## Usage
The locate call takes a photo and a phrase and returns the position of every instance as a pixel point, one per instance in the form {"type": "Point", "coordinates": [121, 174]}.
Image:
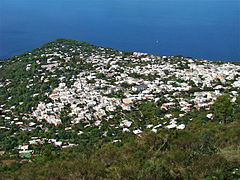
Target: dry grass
{"type": "Point", "coordinates": [231, 153]}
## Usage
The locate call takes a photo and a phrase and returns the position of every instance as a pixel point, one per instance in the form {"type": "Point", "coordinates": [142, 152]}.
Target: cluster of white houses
{"type": "Point", "coordinates": [93, 95]}
{"type": "Point", "coordinates": [90, 101]}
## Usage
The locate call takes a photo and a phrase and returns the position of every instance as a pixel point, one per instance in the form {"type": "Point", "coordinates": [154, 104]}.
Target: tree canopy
{"type": "Point", "coordinates": [223, 108]}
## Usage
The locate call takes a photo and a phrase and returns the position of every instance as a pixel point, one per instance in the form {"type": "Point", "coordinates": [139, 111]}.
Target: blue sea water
{"type": "Point", "coordinates": [207, 29]}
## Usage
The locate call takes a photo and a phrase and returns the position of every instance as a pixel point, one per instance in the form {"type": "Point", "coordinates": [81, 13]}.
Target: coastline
{"type": "Point", "coordinates": [22, 51]}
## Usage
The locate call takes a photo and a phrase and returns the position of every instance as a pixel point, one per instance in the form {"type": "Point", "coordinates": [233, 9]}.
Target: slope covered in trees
{"type": "Point", "coordinates": [201, 151]}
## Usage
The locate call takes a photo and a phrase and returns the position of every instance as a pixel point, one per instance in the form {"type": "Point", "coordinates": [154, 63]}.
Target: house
{"type": "Point", "coordinates": [171, 126]}
{"type": "Point", "coordinates": [127, 101]}
{"type": "Point", "coordinates": [157, 126]}
{"type": "Point", "coordinates": [32, 142]}
{"type": "Point", "coordinates": [210, 116]}
{"type": "Point", "coordinates": [185, 104]}
{"type": "Point", "coordinates": [168, 105]}
{"type": "Point", "coordinates": [181, 126]}
{"type": "Point", "coordinates": [154, 130]}
{"type": "Point", "coordinates": [126, 123]}
{"type": "Point", "coordinates": [58, 143]}
{"type": "Point", "coordinates": [23, 148]}
{"type": "Point", "coordinates": [139, 88]}
{"type": "Point", "coordinates": [137, 131]}
{"type": "Point", "coordinates": [2, 153]}
{"type": "Point", "coordinates": [80, 132]}
{"type": "Point", "coordinates": [126, 130]}
{"type": "Point", "coordinates": [126, 107]}
{"type": "Point", "coordinates": [149, 126]}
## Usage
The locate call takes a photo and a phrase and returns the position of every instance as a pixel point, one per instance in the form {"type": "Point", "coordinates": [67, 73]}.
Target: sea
{"type": "Point", "coordinates": [208, 29]}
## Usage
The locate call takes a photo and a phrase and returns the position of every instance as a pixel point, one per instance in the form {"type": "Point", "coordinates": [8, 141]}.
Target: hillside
{"type": "Point", "coordinates": [72, 110]}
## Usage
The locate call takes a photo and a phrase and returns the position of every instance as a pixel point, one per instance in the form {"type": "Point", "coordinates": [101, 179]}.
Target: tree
{"type": "Point", "coordinates": [238, 100]}
{"type": "Point", "coordinates": [223, 108]}
{"type": "Point", "coordinates": [236, 108]}
{"type": "Point", "coordinates": [47, 155]}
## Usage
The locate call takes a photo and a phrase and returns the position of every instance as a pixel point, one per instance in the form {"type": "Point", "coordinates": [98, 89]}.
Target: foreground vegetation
{"type": "Point", "coordinates": [201, 151]}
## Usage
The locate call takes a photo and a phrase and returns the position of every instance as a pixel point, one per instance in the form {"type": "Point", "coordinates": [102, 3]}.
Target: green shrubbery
{"type": "Point", "coordinates": [211, 152]}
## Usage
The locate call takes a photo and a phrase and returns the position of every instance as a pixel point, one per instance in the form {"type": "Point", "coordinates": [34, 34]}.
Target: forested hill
{"type": "Point", "coordinates": [72, 110]}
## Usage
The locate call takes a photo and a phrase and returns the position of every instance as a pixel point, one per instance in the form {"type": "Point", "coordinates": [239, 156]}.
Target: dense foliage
{"type": "Point", "coordinates": [201, 151]}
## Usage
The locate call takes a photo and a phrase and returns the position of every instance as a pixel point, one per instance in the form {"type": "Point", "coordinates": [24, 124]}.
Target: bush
{"type": "Point", "coordinates": [154, 169]}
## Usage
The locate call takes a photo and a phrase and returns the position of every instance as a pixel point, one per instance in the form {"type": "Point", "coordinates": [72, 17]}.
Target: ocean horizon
{"type": "Point", "coordinates": [207, 29]}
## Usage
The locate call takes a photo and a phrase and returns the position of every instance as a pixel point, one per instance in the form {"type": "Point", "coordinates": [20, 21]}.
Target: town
{"type": "Point", "coordinates": [79, 90]}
